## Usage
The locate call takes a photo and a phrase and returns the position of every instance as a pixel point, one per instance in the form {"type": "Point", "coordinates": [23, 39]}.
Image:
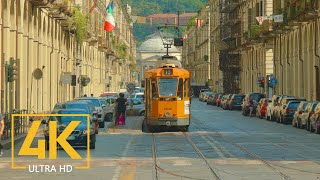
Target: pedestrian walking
{"type": "Point", "coordinates": [121, 108]}
{"type": "Point", "coordinates": [1, 133]}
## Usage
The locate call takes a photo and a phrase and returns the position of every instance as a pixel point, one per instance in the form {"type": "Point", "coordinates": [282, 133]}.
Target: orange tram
{"type": "Point", "coordinates": [167, 97]}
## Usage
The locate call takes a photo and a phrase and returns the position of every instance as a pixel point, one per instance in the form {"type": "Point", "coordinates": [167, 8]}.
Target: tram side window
{"type": "Point", "coordinates": [154, 91]}
{"type": "Point", "coordinates": [186, 87]}
{"type": "Point", "coordinates": [180, 89]}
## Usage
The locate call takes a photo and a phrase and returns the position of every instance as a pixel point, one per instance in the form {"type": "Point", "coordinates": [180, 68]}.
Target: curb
{"type": "Point", "coordinates": [18, 138]}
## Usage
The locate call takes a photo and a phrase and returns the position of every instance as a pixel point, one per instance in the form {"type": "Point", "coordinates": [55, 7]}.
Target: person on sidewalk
{"type": "Point", "coordinates": [1, 132]}
{"type": "Point", "coordinates": [121, 107]}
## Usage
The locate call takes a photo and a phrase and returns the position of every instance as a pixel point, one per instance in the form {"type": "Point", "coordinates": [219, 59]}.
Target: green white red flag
{"type": "Point", "coordinates": [109, 23]}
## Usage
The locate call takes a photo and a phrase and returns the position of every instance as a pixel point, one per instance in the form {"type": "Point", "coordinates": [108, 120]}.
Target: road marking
{"type": "Point", "coordinates": [182, 163]}
{"type": "Point", "coordinates": [217, 150]}
{"type": "Point", "coordinates": [116, 175]}
{"type": "Point", "coordinates": [129, 172]}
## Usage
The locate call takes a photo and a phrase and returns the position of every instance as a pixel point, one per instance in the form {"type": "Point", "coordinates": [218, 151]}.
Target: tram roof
{"type": "Point", "coordinates": [176, 72]}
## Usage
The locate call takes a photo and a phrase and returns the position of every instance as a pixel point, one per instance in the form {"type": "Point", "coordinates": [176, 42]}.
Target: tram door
{"type": "Point", "coordinates": [148, 97]}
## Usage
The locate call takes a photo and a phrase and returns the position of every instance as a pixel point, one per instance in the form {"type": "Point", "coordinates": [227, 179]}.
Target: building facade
{"type": "Point", "coordinates": [263, 39]}
{"type": "Point", "coordinates": [60, 51]}
{"type": "Point", "coordinates": [196, 50]}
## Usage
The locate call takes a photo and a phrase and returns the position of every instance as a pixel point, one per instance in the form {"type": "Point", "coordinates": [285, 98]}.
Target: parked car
{"type": "Point", "coordinates": [210, 99]}
{"type": "Point", "coordinates": [215, 97]}
{"type": "Point", "coordinates": [85, 105]}
{"type": "Point", "coordinates": [262, 107]}
{"type": "Point", "coordinates": [139, 95]}
{"type": "Point", "coordinates": [315, 120]}
{"type": "Point", "coordinates": [79, 135]}
{"type": "Point", "coordinates": [99, 108]}
{"type": "Point", "coordinates": [271, 105]}
{"type": "Point", "coordinates": [108, 103]}
{"type": "Point", "coordinates": [301, 107]}
{"type": "Point", "coordinates": [306, 114]}
{"type": "Point", "coordinates": [283, 104]}
{"type": "Point", "coordinates": [201, 94]}
{"type": "Point", "coordinates": [136, 107]}
{"type": "Point", "coordinates": [219, 100]}
{"type": "Point", "coordinates": [235, 102]}
{"type": "Point", "coordinates": [246, 102]}
{"type": "Point", "coordinates": [288, 112]}
{"type": "Point", "coordinates": [225, 103]}
{"type": "Point", "coordinates": [206, 96]}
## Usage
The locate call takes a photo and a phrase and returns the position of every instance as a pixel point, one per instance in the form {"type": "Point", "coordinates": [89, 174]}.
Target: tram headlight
{"type": "Point", "coordinates": [167, 114]}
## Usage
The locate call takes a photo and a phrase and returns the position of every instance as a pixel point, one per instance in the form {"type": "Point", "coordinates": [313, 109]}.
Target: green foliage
{"type": "Point", "coordinates": [121, 50]}
{"type": "Point", "coordinates": [254, 31]}
{"type": "Point", "coordinates": [80, 22]}
{"type": "Point", "coordinates": [191, 22]}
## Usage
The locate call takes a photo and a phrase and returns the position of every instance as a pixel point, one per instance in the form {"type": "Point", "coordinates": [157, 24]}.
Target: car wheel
{"type": "Point", "coordinates": [142, 113]}
{"type": "Point", "coordinates": [101, 124]}
{"type": "Point", "coordinates": [317, 129]}
{"type": "Point", "coordinates": [293, 123]}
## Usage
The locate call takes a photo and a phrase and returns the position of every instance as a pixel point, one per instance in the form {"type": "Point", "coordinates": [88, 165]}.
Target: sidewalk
{"type": "Point", "coordinates": [133, 125]}
{"type": "Point", "coordinates": [19, 138]}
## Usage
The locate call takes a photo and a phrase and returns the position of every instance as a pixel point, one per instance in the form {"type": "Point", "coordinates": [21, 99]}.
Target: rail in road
{"type": "Point", "coordinates": [157, 168]}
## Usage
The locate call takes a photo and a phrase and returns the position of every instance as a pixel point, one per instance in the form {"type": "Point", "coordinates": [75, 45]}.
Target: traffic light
{"type": "Point", "coordinates": [178, 41]}
{"type": "Point", "coordinates": [12, 72]}
{"type": "Point", "coordinates": [262, 81]}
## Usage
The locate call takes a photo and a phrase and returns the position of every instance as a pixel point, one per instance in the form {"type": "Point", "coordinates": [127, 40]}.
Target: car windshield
{"type": "Point", "coordinates": [95, 102]}
{"type": "Point", "coordinates": [102, 101]}
{"type": "Point", "coordinates": [68, 119]}
{"type": "Point", "coordinates": [257, 97]}
{"type": "Point", "coordinates": [239, 98]}
{"type": "Point", "coordinates": [77, 106]}
{"type": "Point", "coordinates": [293, 105]}
{"type": "Point", "coordinates": [168, 86]}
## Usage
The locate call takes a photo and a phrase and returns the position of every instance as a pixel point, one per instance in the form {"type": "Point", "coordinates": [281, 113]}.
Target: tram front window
{"type": "Point", "coordinates": [168, 86]}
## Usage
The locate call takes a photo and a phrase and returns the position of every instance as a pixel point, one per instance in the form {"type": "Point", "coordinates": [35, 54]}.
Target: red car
{"type": "Point", "coordinates": [262, 108]}
{"type": "Point", "coordinates": [219, 100]}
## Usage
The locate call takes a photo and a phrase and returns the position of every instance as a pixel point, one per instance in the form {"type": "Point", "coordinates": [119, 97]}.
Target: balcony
{"type": "Point", "coordinates": [229, 5]}
{"type": "Point", "coordinates": [302, 10]}
{"type": "Point", "coordinates": [40, 3]}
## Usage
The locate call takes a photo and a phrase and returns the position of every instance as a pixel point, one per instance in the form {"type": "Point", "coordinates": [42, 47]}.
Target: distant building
{"type": "Point", "coordinates": [171, 19]}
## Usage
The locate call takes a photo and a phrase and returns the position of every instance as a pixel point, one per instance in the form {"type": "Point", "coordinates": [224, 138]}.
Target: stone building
{"type": "Point", "coordinates": [50, 40]}
{"type": "Point", "coordinates": [196, 50]}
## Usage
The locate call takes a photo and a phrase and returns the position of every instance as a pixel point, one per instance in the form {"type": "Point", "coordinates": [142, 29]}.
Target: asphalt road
{"type": "Point", "coordinates": [220, 144]}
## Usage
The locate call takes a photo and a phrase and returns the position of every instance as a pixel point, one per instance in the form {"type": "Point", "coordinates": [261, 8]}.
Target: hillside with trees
{"type": "Point", "coordinates": [149, 7]}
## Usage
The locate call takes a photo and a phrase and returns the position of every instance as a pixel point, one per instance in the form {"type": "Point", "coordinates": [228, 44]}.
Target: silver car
{"type": "Point", "coordinates": [135, 107]}
{"type": "Point", "coordinates": [99, 108]}
{"type": "Point", "coordinates": [108, 103]}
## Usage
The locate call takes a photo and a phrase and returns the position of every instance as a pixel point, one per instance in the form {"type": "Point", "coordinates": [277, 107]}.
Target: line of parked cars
{"type": "Point", "coordinates": [279, 108]}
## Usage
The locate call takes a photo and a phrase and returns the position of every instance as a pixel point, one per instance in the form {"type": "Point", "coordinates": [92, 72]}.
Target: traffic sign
{"type": "Point", "coordinates": [273, 82]}
{"type": "Point", "coordinates": [260, 19]}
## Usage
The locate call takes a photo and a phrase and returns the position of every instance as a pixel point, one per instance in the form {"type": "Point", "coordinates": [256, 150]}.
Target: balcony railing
{"type": "Point", "coordinates": [302, 9]}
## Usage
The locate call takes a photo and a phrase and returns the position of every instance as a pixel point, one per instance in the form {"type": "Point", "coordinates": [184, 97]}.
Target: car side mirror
{"type": "Point", "coordinates": [103, 106]}
{"type": "Point", "coordinates": [44, 121]}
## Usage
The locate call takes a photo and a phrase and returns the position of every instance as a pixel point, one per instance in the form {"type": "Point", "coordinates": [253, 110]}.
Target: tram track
{"type": "Point", "coordinates": [243, 149]}
{"type": "Point", "coordinates": [157, 168]}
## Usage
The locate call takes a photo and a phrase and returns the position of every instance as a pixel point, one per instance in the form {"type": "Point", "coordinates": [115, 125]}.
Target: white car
{"type": "Point", "coordinates": [270, 107]}
{"type": "Point", "coordinates": [137, 95]}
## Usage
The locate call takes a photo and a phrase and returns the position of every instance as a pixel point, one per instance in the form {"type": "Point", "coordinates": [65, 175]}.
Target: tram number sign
{"type": "Point", "coordinates": [167, 72]}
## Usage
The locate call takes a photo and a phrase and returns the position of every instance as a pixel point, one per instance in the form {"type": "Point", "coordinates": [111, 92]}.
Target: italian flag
{"type": "Point", "coordinates": [109, 24]}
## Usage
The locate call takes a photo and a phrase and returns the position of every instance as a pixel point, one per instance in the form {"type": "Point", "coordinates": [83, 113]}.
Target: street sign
{"type": "Point", "coordinates": [273, 82]}
{"type": "Point", "coordinates": [278, 18]}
